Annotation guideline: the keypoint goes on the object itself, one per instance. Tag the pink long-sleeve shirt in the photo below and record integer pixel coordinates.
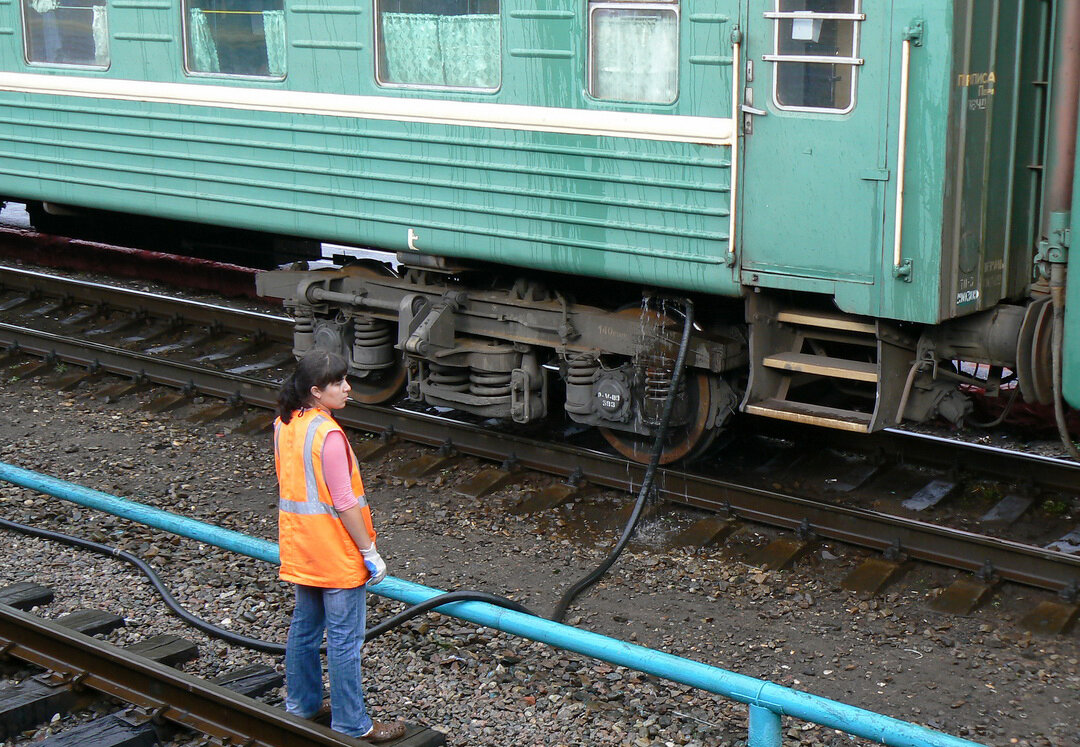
(337, 470)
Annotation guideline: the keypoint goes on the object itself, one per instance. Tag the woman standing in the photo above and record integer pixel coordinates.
(327, 545)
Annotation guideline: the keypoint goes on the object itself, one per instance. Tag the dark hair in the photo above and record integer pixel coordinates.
(317, 368)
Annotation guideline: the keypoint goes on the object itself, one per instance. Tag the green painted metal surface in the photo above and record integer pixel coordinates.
(620, 208)
(816, 197)
(988, 224)
(1070, 363)
(815, 182)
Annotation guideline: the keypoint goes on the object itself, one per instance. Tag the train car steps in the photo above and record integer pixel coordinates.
(821, 365)
(804, 361)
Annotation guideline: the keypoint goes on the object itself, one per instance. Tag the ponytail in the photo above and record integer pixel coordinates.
(317, 368)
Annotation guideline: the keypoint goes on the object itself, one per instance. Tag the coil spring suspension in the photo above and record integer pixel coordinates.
(582, 371)
(489, 383)
(303, 319)
(371, 333)
(451, 378)
(659, 373)
(372, 343)
(303, 329)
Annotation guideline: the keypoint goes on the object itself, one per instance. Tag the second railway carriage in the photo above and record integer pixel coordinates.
(854, 194)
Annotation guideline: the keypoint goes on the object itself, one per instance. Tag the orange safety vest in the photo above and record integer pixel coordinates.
(315, 547)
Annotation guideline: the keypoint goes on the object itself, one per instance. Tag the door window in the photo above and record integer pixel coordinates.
(66, 32)
(815, 47)
(447, 43)
(634, 52)
(235, 37)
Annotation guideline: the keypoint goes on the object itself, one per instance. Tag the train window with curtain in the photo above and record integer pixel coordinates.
(634, 52)
(66, 32)
(446, 43)
(815, 45)
(235, 37)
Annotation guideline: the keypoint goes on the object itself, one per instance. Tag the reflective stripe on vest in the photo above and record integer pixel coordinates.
(312, 505)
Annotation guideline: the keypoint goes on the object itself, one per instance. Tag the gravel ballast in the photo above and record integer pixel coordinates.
(979, 676)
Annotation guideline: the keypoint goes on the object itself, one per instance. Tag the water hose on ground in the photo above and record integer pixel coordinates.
(650, 473)
(237, 639)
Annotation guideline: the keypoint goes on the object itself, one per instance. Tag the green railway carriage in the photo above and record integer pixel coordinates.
(854, 193)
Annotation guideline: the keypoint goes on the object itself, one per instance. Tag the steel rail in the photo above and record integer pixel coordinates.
(1024, 470)
(919, 540)
(1015, 467)
(162, 691)
(275, 325)
(159, 370)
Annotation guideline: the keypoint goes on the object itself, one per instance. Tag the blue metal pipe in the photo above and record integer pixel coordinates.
(765, 729)
(758, 693)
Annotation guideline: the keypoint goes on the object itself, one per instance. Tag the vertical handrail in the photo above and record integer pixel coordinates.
(735, 127)
(902, 268)
(901, 158)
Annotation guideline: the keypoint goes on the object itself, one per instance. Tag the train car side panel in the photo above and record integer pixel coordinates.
(993, 62)
(823, 225)
(1071, 352)
(545, 187)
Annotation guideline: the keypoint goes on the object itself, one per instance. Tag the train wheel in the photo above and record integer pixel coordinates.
(685, 442)
(380, 386)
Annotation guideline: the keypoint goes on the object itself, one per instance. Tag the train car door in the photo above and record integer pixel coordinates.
(812, 194)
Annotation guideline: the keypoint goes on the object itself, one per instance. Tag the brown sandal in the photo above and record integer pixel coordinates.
(384, 732)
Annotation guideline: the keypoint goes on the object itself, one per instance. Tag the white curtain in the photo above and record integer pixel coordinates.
(44, 6)
(100, 28)
(274, 29)
(442, 50)
(635, 55)
(204, 56)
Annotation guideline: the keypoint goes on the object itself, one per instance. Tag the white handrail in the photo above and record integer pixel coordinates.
(901, 157)
(736, 127)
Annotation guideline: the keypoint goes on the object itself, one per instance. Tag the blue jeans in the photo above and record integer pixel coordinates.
(342, 613)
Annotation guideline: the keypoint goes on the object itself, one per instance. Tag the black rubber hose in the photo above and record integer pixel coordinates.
(243, 640)
(650, 473)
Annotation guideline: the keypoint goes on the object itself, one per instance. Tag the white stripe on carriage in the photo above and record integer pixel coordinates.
(636, 125)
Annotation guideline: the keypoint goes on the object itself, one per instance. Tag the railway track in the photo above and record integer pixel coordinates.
(198, 349)
(75, 668)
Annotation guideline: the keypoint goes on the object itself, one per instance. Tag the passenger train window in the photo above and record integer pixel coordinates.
(235, 37)
(447, 43)
(634, 52)
(66, 32)
(815, 44)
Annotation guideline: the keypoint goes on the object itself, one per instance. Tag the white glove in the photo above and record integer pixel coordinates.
(375, 564)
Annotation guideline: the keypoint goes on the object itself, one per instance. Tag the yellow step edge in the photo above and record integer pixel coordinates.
(837, 368)
(825, 417)
(826, 320)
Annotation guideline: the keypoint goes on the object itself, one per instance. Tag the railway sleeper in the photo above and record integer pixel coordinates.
(37, 699)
